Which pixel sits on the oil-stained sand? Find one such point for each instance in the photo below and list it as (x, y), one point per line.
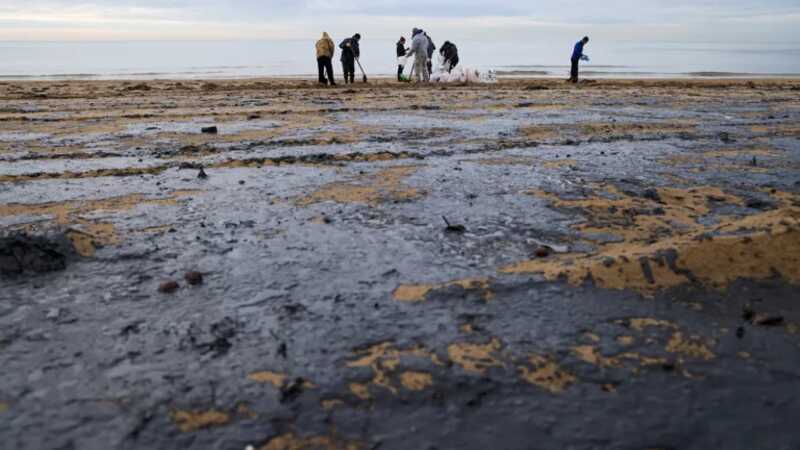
(627, 275)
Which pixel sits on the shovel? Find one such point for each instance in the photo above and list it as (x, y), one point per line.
(362, 70)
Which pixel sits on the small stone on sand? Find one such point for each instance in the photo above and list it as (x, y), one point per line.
(194, 278)
(168, 287)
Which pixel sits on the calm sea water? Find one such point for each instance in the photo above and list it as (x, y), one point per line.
(237, 59)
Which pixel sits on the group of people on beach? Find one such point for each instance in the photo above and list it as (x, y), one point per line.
(422, 49)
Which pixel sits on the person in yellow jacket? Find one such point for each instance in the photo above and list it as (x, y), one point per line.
(325, 50)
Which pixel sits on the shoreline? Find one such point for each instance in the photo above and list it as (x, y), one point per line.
(501, 75)
(389, 81)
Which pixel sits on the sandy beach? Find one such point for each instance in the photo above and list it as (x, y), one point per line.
(612, 265)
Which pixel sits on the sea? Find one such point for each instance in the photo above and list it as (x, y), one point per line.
(296, 58)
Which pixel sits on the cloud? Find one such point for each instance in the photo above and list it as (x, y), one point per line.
(770, 20)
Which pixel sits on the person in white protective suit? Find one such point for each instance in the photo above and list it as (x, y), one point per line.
(419, 49)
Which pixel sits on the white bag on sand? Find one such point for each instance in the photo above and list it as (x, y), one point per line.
(473, 76)
(464, 75)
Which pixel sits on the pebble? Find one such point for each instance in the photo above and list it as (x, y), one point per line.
(168, 287)
(194, 278)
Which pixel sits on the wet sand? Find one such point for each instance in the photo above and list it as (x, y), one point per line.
(621, 268)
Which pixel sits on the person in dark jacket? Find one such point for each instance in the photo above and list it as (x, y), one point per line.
(449, 53)
(350, 52)
(401, 57)
(431, 49)
(577, 56)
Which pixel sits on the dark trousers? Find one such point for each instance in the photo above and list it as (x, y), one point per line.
(324, 65)
(573, 73)
(349, 68)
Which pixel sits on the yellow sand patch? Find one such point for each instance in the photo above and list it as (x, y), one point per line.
(640, 323)
(546, 373)
(777, 130)
(671, 248)
(642, 360)
(712, 157)
(189, 421)
(625, 340)
(742, 152)
(291, 441)
(591, 355)
(412, 292)
(266, 377)
(539, 132)
(784, 199)
(416, 381)
(418, 292)
(559, 163)
(384, 359)
(373, 189)
(714, 263)
(90, 233)
(360, 390)
(330, 404)
(99, 173)
(475, 358)
(692, 347)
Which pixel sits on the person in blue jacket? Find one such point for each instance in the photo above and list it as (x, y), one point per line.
(577, 56)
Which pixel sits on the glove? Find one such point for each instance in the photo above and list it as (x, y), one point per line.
(585, 58)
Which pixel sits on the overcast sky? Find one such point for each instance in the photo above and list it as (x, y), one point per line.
(614, 20)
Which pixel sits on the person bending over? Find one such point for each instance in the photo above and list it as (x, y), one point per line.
(577, 57)
(350, 52)
(449, 53)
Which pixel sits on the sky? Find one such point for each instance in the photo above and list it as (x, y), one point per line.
(717, 21)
